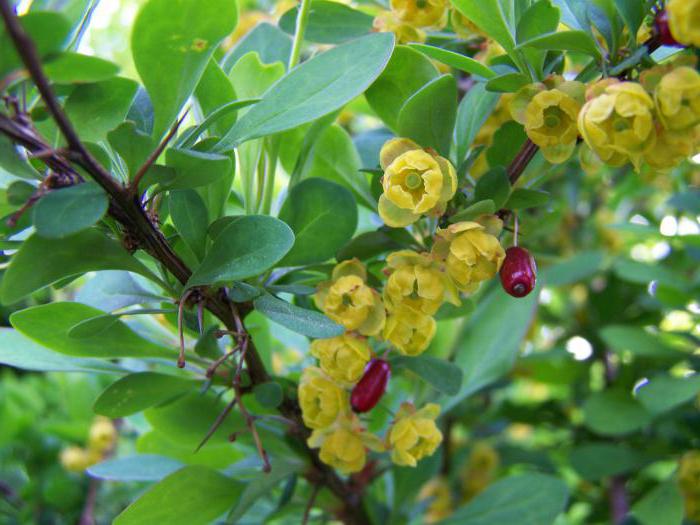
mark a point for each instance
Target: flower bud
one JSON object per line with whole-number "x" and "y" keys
{"x": 371, "y": 387}
{"x": 519, "y": 272}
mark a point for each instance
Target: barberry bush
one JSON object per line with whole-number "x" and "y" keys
{"x": 373, "y": 262}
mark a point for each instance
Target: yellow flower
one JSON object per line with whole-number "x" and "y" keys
{"x": 415, "y": 182}
{"x": 677, "y": 98}
{"x": 417, "y": 281}
{"x": 471, "y": 253}
{"x": 618, "y": 124}
{"x": 103, "y": 434}
{"x": 414, "y": 434}
{"x": 345, "y": 445}
{"x": 421, "y": 13}
{"x": 437, "y": 490}
{"x": 409, "y": 330}
{"x": 549, "y": 117}
{"x": 76, "y": 459}
{"x": 672, "y": 147}
{"x": 348, "y": 300}
{"x": 684, "y": 21}
{"x": 343, "y": 358}
{"x": 480, "y": 471}
{"x": 321, "y": 400}
{"x": 387, "y": 21}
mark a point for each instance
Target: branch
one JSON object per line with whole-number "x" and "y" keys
{"x": 521, "y": 160}
{"x": 128, "y": 211}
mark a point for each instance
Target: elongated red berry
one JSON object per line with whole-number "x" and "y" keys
{"x": 518, "y": 272}
{"x": 663, "y": 31}
{"x": 369, "y": 390}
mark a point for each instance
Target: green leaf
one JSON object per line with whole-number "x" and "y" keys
{"x": 574, "y": 41}
{"x": 190, "y": 218}
{"x": 216, "y": 118}
{"x": 614, "y": 413}
{"x": 245, "y": 248}
{"x": 188, "y": 419}
{"x": 174, "y": 501}
{"x": 523, "y": 198}
{"x": 525, "y": 499}
{"x": 493, "y": 186}
{"x": 171, "y": 44}
{"x": 311, "y": 206}
{"x": 139, "y": 467}
{"x": 484, "y": 350}
{"x": 638, "y": 341}
{"x": 19, "y": 351}
{"x": 66, "y": 211}
{"x": 268, "y": 41}
{"x": 69, "y": 68}
{"x": 368, "y": 245}
{"x": 196, "y": 168}
{"x": 664, "y": 392}
{"x": 428, "y": 117}
{"x": 49, "y": 325}
{"x": 95, "y": 109}
{"x": 472, "y": 112}
{"x": 49, "y": 31}
{"x": 663, "y": 505}
{"x": 507, "y": 83}
{"x": 540, "y": 18}
{"x": 643, "y": 273}
{"x": 213, "y": 92}
{"x": 506, "y": 143}
{"x": 581, "y": 266}
{"x": 136, "y": 392}
{"x": 299, "y": 320}
{"x": 132, "y": 145}
{"x": 594, "y": 461}
{"x": 492, "y": 18}
{"x": 12, "y": 163}
{"x": 268, "y": 394}
{"x": 407, "y": 72}
{"x": 443, "y": 376}
{"x": 335, "y": 157}
{"x": 455, "y": 60}
{"x": 329, "y": 22}
{"x": 315, "y": 88}
{"x": 41, "y": 262}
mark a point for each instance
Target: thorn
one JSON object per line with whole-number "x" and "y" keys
{"x": 217, "y": 423}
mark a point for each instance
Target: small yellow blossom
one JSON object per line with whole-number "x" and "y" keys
{"x": 421, "y": 13}
{"x": 463, "y": 27}
{"x": 480, "y": 470}
{"x": 677, "y": 98}
{"x": 103, "y": 435}
{"x": 348, "y": 300}
{"x": 672, "y": 147}
{"x": 437, "y": 490}
{"x": 471, "y": 252}
{"x": 388, "y": 22}
{"x": 684, "y": 21}
{"x": 321, "y": 400}
{"x": 409, "y": 330}
{"x": 77, "y": 459}
{"x": 618, "y": 124}
{"x": 343, "y": 358}
{"x": 417, "y": 280}
{"x": 414, "y": 434}
{"x": 344, "y": 446}
{"x": 415, "y": 182}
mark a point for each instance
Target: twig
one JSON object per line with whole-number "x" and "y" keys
{"x": 87, "y": 517}
{"x": 310, "y": 504}
{"x": 521, "y": 160}
{"x": 180, "y": 327}
{"x": 134, "y": 185}
{"x": 217, "y": 423}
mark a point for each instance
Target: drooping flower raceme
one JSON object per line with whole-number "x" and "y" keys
{"x": 342, "y": 358}
{"x": 348, "y": 300}
{"x": 415, "y": 182}
{"x": 470, "y": 251}
{"x": 416, "y": 280}
{"x": 617, "y": 123}
{"x": 684, "y": 21}
{"x": 414, "y": 434}
{"x": 321, "y": 400}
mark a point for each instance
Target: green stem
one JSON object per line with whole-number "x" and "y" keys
{"x": 270, "y": 172}
{"x": 302, "y": 19}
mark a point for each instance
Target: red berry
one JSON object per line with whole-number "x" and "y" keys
{"x": 369, "y": 390}
{"x": 663, "y": 31}
{"x": 518, "y": 272}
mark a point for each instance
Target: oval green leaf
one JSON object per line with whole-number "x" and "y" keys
{"x": 299, "y": 320}
{"x": 66, "y": 211}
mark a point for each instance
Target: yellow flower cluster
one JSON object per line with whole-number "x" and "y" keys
{"x": 101, "y": 439}
{"x": 407, "y": 19}
{"x": 684, "y": 21}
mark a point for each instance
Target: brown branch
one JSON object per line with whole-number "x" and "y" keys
{"x": 87, "y": 517}
{"x": 310, "y": 504}
{"x": 521, "y": 160}
{"x": 129, "y": 212}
